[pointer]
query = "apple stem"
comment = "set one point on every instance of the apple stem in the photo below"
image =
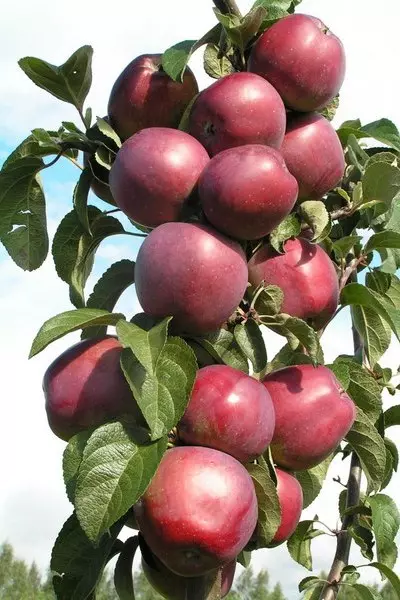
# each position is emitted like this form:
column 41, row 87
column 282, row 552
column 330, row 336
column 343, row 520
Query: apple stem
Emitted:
column 228, row 7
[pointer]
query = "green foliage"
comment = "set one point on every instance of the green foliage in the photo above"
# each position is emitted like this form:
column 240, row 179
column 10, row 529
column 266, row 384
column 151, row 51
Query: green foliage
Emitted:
column 269, row 512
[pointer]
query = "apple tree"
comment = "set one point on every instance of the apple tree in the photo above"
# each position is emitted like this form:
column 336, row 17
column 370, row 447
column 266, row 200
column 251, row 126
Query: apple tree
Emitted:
column 256, row 216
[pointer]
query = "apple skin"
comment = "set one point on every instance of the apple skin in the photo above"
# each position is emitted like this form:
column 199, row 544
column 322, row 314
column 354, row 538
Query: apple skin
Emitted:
column 312, row 415
column 172, row 586
column 228, row 411
column 302, row 59
column 191, row 272
column 238, row 109
column 306, row 276
column 199, row 510
column 155, row 173
column 290, row 496
column 145, row 96
column 313, row 154
column 247, row 191
column 84, row 387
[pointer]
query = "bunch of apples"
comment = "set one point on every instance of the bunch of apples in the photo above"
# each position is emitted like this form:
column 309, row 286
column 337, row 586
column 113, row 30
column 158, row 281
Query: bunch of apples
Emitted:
column 254, row 147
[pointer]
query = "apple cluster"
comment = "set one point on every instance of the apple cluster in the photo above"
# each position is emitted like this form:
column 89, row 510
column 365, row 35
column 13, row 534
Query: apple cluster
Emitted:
column 254, row 148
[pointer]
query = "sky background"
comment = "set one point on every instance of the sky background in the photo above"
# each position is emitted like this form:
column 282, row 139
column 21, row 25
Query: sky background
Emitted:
column 33, row 504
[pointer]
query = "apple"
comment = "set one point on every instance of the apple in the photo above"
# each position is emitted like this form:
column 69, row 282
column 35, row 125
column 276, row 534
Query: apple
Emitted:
column 84, row 387
column 290, row 497
column 313, row 154
column 191, row 272
column 175, row 587
column 306, row 275
column 199, row 510
column 239, row 109
column 228, row 411
column 155, row 173
column 313, row 414
column 302, row 59
column 145, row 96
column 247, row 191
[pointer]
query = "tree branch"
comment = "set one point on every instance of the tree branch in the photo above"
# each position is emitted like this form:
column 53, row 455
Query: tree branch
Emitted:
column 228, row 7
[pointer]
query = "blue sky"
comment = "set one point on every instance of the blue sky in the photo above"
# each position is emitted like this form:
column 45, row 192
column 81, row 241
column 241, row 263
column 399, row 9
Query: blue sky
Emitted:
column 33, row 504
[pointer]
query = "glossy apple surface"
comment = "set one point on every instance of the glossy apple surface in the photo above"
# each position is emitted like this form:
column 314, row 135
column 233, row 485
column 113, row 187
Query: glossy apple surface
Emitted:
column 191, row 272
column 199, row 511
column 247, row 191
column 228, row 411
column 306, row 276
column 312, row 415
column 302, row 59
column 238, row 109
column 290, row 497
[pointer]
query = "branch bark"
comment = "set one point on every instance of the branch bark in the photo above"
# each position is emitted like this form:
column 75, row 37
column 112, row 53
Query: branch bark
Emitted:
column 228, row 7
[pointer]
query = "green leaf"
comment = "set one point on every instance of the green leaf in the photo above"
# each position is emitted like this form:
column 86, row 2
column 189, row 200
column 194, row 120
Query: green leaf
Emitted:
column 123, row 574
column 287, row 357
column 386, row 284
column 299, row 544
column 115, row 471
column 389, row 574
column 374, row 331
column 106, row 129
column 69, row 82
column 30, row 147
column 370, row 448
column 392, row 416
column 385, row 524
column 275, row 9
column 72, row 459
column 343, row 246
column 364, row 539
column 77, row 565
column 392, row 461
column 251, row 342
column 330, row 110
column 298, row 332
column 383, row 239
column 269, row 512
column 268, row 300
column 80, row 198
column 383, row 131
column 380, row 183
column 176, row 58
column 69, row 321
column 241, row 31
column 23, row 229
column 366, row 593
column 215, row 63
column 223, row 348
column 288, row 228
column 146, row 342
column 308, row 582
column 315, row 214
column 244, row 558
column 311, row 481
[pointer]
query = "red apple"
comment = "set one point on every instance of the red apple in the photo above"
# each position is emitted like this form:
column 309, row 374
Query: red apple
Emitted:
column 306, row 276
column 199, row 510
column 313, row 154
column 290, row 497
column 238, row 109
column 191, row 272
column 155, row 173
column 313, row 414
column 145, row 96
column 247, row 191
column 302, row 59
column 85, row 387
column 228, row 411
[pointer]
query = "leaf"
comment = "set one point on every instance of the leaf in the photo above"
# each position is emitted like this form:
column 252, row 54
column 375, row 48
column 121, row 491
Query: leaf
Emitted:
column 392, row 416
column 315, row 214
column 241, row 30
column 69, row 82
column 115, row 471
column 72, row 459
column 329, row 111
column 370, row 448
column 23, row 229
column 343, row 246
column 146, row 343
column 175, row 58
column 386, row 284
column 383, row 239
column 308, row 582
column 244, row 558
column 223, row 347
column 123, row 579
column 297, row 331
column 299, row 544
column 364, row 539
column 106, row 129
column 374, row 332
column 366, row 593
column 268, row 299
column 380, row 182
column 289, row 227
column 383, row 131
column 275, row 9
column 77, row 564
column 287, row 357
column 216, row 64
column 29, row 147
column 311, row 481
column 80, row 198
column 67, row 322
column 389, row 574
column 385, row 524
column 269, row 512
column 251, row 342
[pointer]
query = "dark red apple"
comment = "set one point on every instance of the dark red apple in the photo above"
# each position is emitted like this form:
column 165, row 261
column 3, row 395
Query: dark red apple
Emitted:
column 191, row 272
column 155, row 173
column 247, row 191
column 85, row 387
column 302, row 59
column 228, row 411
column 313, row 414
column 290, row 497
column 313, row 154
column 199, row 510
column 306, row 275
column 238, row 109
column 145, row 96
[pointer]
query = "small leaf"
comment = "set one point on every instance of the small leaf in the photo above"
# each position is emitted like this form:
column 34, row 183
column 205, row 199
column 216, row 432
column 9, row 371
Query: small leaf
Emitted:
column 106, row 129
column 364, row 539
column 250, row 340
column 216, row 64
column 297, row 331
column 385, row 524
column 269, row 512
column 308, row 582
column 311, row 481
column 223, row 348
column 80, row 198
column 72, row 459
column 69, row 321
column 114, row 473
column 288, row 228
column 123, row 579
column 392, row 416
column 244, row 558
column 383, row 131
column 343, row 246
column 374, row 331
column 70, row 82
column 315, row 214
column 30, row 147
column 329, row 111
column 287, row 357
column 268, row 299
column 241, row 31
column 299, row 544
